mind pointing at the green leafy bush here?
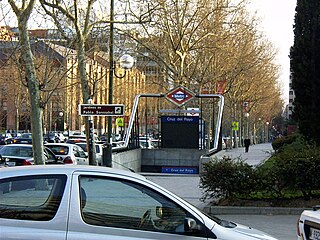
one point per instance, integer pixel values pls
(295, 168)
(269, 181)
(227, 178)
(281, 142)
(299, 167)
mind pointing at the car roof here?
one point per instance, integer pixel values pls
(66, 169)
(18, 145)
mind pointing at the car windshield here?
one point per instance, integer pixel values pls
(59, 150)
(26, 135)
(143, 144)
(52, 134)
(84, 147)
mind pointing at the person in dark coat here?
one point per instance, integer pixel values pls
(246, 142)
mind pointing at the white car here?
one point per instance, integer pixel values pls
(309, 224)
(99, 150)
(70, 153)
(92, 202)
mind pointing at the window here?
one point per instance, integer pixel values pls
(78, 152)
(123, 204)
(59, 150)
(34, 198)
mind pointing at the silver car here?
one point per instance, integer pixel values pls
(92, 202)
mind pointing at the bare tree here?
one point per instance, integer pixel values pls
(80, 16)
(22, 10)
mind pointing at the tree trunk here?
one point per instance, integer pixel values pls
(85, 98)
(34, 94)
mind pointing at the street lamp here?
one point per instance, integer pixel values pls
(247, 116)
(59, 123)
(267, 131)
(126, 62)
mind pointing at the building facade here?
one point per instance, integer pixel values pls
(63, 94)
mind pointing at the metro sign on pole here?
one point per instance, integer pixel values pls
(180, 95)
(101, 109)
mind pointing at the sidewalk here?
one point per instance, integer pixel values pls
(256, 155)
(187, 186)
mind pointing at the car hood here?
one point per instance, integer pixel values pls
(311, 215)
(249, 231)
(241, 232)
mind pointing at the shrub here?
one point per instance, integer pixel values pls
(295, 168)
(227, 178)
(281, 142)
(299, 167)
(269, 179)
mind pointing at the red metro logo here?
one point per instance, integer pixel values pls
(180, 96)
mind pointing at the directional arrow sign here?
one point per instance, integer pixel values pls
(101, 110)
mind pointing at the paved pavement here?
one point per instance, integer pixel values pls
(256, 155)
(187, 186)
(280, 223)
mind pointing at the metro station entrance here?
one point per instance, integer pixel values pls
(186, 127)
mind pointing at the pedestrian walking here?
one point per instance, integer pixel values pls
(246, 142)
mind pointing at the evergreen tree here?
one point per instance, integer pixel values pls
(305, 68)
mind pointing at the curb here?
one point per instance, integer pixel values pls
(230, 210)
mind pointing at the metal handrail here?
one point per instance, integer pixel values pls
(124, 144)
(133, 113)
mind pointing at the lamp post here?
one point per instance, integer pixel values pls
(247, 116)
(126, 62)
(267, 123)
(61, 121)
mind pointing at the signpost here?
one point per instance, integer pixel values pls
(90, 110)
(101, 109)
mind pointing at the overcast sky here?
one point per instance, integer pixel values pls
(277, 19)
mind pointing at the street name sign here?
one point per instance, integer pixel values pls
(101, 109)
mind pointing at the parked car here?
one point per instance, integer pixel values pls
(156, 143)
(6, 138)
(23, 138)
(99, 150)
(22, 154)
(146, 144)
(54, 137)
(91, 202)
(308, 226)
(76, 140)
(70, 153)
